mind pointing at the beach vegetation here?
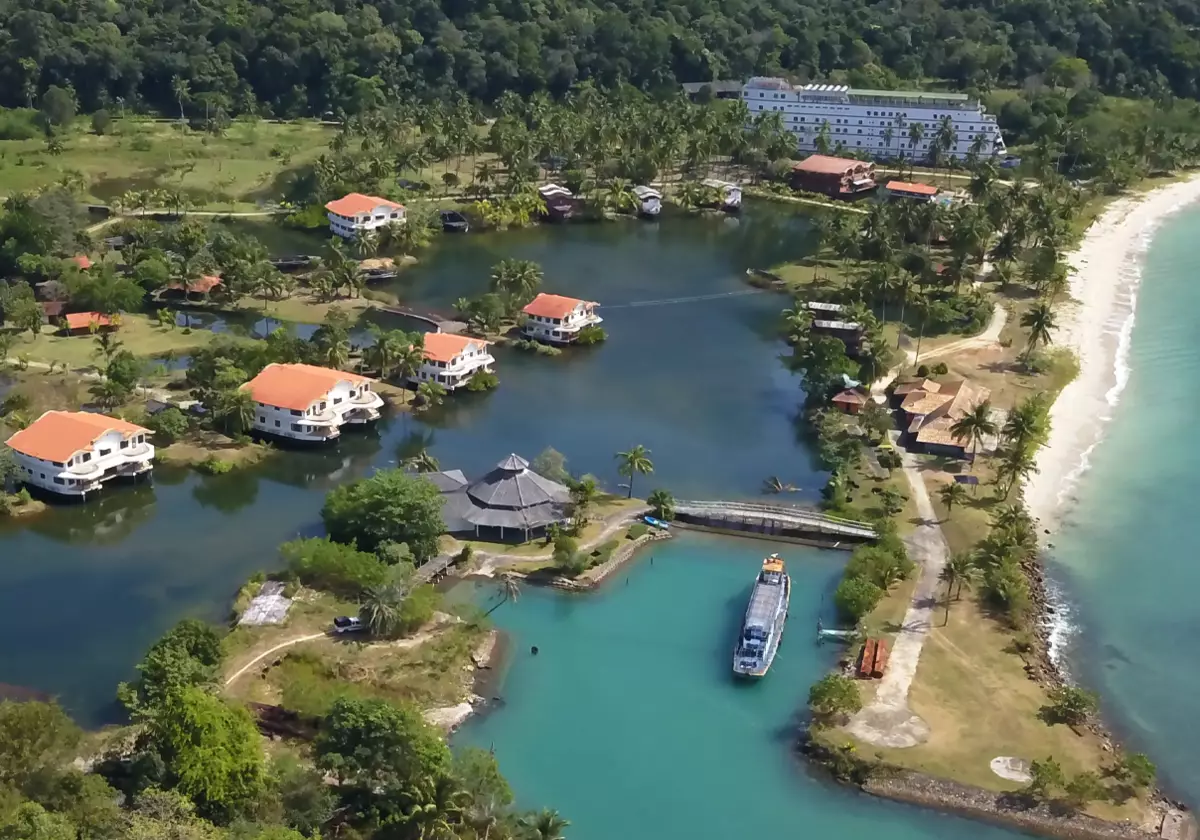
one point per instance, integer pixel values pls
(1046, 778)
(390, 506)
(1084, 787)
(634, 461)
(662, 504)
(1071, 705)
(335, 567)
(1134, 770)
(952, 493)
(833, 698)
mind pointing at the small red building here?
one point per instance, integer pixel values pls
(834, 176)
(82, 323)
(910, 191)
(849, 401)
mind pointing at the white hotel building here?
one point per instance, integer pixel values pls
(310, 404)
(356, 213)
(859, 120)
(74, 453)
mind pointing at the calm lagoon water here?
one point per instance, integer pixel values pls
(1129, 547)
(86, 589)
(629, 722)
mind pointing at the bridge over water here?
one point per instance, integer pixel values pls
(776, 519)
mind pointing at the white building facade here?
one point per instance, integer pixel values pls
(877, 122)
(354, 213)
(557, 319)
(73, 453)
(451, 360)
(310, 404)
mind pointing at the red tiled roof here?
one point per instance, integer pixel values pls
(915, 189)
(443, 347)
(828, 165)
(201, 286)
(355, 204)
(82, 260)
(84, 320)
(296, 386)
(850, 397)
(57, 435)
(554, 306)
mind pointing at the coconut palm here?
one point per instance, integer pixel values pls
(544, 825)
(635, 460)
(380, 609)
(430, 394)
(663, 504)
(976, 425)
(409, 357)
(960, 569)
(1026, 423)
(234, 409)
(516, 280)
(952, 494)
(510, 590)
(1040, 322)
(1015, 464)
(916, 131)
(620, 197)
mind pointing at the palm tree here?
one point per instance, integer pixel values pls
(179, 88)
(960, 569)
(516, 280)
(408, 360)
(636, 460)
(422, 462)
(976, 425)
(1040, 322)
(1015, 464)
(544, 825)
(510, 590)
(916, 131)
(663, 503)
(380, 609)
(366, 243)
(430, 394)
(619, 196)
(235, 410)
(952, 494)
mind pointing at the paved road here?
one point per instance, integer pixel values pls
(888, 721)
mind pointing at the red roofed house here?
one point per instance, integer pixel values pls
(197, 289)
(74, 452)
(357, 212)
(834, 176)
(309, 403)
(849, 401)
(451, 360)
(82, 260)
(78, 323)
(912, 192)
(558, 319)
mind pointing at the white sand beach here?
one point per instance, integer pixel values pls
(1097, 325)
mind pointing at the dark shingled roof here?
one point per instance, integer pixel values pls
(509, 496)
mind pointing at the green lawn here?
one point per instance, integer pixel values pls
(246, 165)
(139, 334)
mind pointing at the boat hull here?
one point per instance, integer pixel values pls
(756, 668)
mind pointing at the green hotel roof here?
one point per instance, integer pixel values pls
(910, 94)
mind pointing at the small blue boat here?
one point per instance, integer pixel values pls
(656, 523)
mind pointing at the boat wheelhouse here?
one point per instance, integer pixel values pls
(762, 628)
(649, 200)
(730, 195)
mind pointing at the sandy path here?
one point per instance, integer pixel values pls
(284, 644)
(987, 338)
(888, 721)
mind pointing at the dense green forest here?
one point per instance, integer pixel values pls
(291, 58)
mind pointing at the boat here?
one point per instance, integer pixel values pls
(730, 194)
(656, 523)
(560, 202)
(649, 201)
(762, 628)
(454, 222)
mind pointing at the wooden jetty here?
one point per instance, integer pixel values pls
(439, 323)
(778, 520)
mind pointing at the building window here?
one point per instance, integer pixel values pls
(296, 413)
(104, 452)
(124, 444)
(297, 427)
(262, 419)
(59, 481)
(276, 424)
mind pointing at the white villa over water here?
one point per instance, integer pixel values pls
(451, 360)
(73, 453)
(357, 212)
(309, 403)
(558, 319)
(878, 122)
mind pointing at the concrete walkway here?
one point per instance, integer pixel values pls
(888, 721)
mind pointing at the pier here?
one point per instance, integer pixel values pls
(438, 322)
(779, 520)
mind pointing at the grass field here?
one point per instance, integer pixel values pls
(139, 334)
(236, 171)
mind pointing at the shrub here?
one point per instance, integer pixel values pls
(879, 566)
(855, 597)
(18, 124)
(342, 569)
(591, 334)
(212, 465)
(834, 696)
(141, 143)
(168, 426)
(482, 380)
(389, 506)
(941, 369)
(101, 122)
(1071, 705)
(923, 371)
(417, 609)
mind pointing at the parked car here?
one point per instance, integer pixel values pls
(348, 624)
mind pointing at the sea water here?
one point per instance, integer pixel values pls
(1128, 554)
(629, 721)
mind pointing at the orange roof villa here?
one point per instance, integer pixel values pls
(356, 212)
(931, 409)
(451, 360)
(78, 322)
(558, 319)
(73, 453)
(309, 403)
